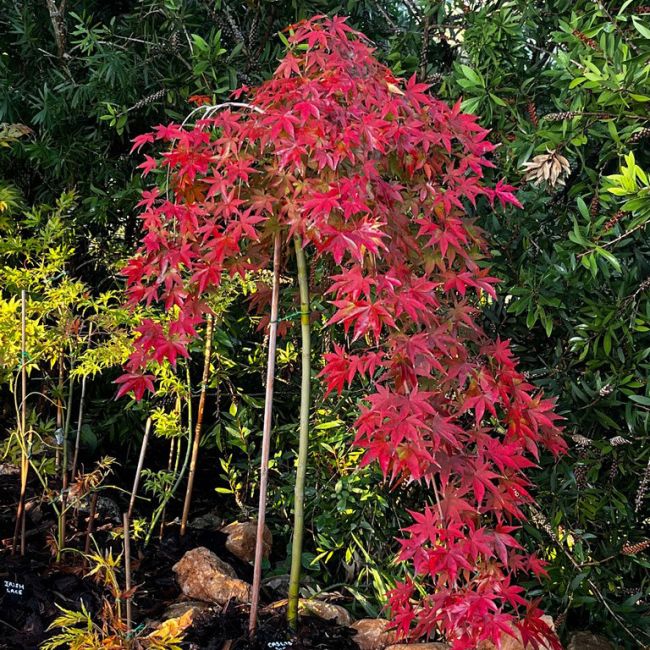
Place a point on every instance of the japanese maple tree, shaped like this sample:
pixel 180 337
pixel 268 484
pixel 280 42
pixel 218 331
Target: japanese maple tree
pixel 375 174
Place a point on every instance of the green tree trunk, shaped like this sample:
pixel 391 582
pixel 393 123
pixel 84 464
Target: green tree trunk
pixel 299 500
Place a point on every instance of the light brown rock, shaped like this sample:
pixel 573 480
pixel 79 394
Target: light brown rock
pixel 372 633
pixel 326 611
pixel 589 641
pixel 201 575
pixel 241 540
pixel 511 643
pixel 181 607
pixel 320 609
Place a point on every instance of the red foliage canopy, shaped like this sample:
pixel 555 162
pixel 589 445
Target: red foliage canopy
pixel 372 172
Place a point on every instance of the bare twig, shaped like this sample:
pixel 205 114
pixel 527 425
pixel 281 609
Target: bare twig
pixel 611 242
pixel 127 570
pixel 196 443
pixel 266 437
pixel 82 400
pixel 540 521
pixel 91 522
pixel 138 471
pixel 58 25
pixel 25 447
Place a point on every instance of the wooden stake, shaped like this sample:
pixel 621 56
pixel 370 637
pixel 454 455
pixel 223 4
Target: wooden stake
pixel 196 443
pixel 127 570
pixel 91 523
pixel 138 471
pixel 64 474
pixel 266 438
pixel 170 461
pixel 59 412
pixel 82 400
pixel 25 445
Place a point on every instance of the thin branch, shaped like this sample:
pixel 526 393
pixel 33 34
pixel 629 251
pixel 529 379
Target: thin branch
pixel 540 521
pixel 611 242
pixel 58 25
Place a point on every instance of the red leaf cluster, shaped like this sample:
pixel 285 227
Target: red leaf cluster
pixel 374 173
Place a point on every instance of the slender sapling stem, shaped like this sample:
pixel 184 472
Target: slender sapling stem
pixel 303 444
pixel 196 443
pixel 25 446
pixel 82 401
pixel 266 437
pixel 127 570
pixel 138 471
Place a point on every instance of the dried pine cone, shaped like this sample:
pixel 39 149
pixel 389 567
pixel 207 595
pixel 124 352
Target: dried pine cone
pixel 613 221
pixel 585 39
pixel 539 519
pixel 606 390
pixel 560 620
pixel 254 31
pixel 633 549
pixel 613 469
pixel 551 168
pixel 639 135
pixel 175 43
pixel 559 117
pixel 580 472
pixel 149 99
pixel 580 469
pixel 643 10
pixel 532 113
pixel 617 441
pixel 643 488
pixel 594 206
pixel 580 440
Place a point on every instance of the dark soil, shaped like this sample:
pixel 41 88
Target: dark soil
pixel 214 629
pixel 32 588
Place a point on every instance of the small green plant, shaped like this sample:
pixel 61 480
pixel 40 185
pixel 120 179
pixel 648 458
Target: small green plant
pixel 79 630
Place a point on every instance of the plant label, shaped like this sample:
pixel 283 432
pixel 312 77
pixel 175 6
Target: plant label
pixel 14 589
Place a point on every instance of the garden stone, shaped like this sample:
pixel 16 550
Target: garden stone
pixel 511 643
pixel 7 469
pixel 589 641
pixel 177 609
pixel 208 521
pixel 202 575
pixel 372 633
pixel 326 611
pixel 320 609
pixel 242 537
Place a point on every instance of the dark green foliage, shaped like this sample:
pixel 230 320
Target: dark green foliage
pixel 573 78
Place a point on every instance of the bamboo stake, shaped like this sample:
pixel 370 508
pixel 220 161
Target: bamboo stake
pixel 25 446
pixel 82 400
pixel 186 459
pixel 66 429
pixel 91 523
pixel 138 471
pixel 59 412
pixel 209 324
pixel 266 438
pixel 64 474
pixel 127 570
pixel 303 444
pixel 170 460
